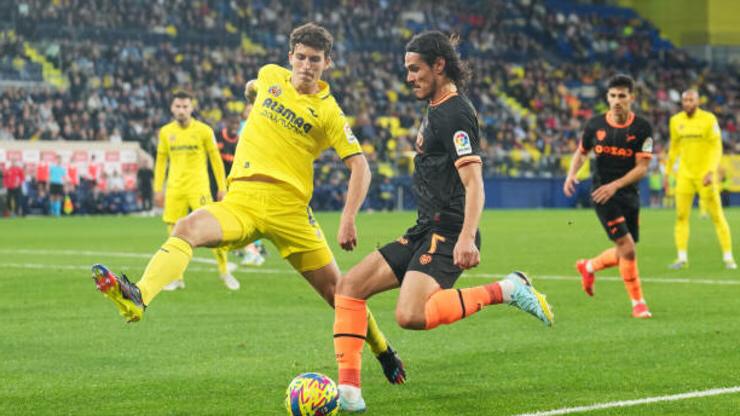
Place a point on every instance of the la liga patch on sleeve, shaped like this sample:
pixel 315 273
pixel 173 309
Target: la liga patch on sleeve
pixel 462 143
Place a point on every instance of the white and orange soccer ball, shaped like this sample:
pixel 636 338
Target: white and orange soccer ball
pixel 312 394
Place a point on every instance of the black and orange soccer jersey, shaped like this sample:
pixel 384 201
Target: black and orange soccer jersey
pixel 448 138
pixel 617 146
pixel 227 147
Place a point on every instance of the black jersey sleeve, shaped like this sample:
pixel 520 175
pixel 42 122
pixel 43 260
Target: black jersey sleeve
pixel 459 132
pixel 643 145
pixel 588 137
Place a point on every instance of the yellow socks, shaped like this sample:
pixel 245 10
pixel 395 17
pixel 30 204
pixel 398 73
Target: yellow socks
pixel 167 265
pixel 375 339
pixel 221 261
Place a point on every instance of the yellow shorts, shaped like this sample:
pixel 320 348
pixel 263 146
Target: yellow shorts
pixel 179 204
pixel 695 186
pixel 254 210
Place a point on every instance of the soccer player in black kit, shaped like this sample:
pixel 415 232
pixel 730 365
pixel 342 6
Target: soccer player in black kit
pixel 427 260
pixel 623 144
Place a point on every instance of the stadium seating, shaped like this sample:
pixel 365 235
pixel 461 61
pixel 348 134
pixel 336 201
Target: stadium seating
pixel 536 78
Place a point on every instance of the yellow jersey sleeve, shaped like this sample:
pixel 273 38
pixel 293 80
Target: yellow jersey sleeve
pixel 217 164
pixel 714 134
pixel 287 131
pixel 340 135
pixel 160 164
pixel 674 145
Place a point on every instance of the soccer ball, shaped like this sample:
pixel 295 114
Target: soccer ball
pixel 312 394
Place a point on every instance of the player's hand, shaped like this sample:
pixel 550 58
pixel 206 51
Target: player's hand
pixel 569 187
pixel 250 93
pixel 604 193
pixel 220 195
pixel 465 254
pixel 347 235
pixel 159 199
pixel 708 178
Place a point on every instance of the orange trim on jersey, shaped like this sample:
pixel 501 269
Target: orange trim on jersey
pixel 225 136
pixel 615 222
pixel 610 121
pixel 643 155
pixel 466 160
pixel 443 99
pixel 581 149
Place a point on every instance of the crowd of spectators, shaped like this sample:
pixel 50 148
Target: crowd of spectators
pixel 538 72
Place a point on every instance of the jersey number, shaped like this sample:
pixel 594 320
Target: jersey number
pixel 435 238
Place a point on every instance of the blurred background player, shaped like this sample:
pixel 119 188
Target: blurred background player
pixel 57 177
pixel 623 144
pixel 144 182
pixel 294 120
pixel 13 179
pixel 427 261
pixel 696 142
pixel 185 147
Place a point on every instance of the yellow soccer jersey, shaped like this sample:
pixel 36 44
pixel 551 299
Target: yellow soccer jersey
pixel 186 150
pixel 286 131
pixel 697 143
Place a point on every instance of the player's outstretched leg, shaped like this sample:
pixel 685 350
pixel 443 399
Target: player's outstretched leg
pixel 528 299
pixel 587 277
pixel 124 294
pixel 608 258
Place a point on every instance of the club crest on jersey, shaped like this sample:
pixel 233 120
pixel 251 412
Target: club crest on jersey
pixel 462 143
pixel 275 91
pixel 647 146
pixel 172 138
pixel 601 134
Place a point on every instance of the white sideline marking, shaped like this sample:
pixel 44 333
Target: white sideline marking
pixel 626 403
pixel 246 269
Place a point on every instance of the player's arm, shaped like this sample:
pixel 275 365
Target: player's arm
pixel 217 165
pixel 359 182
pixel 714 153
pixel 250 91
pixel 160 169
pixel 465 254
pixel 576 162
pixel 673 147
pixel 604 192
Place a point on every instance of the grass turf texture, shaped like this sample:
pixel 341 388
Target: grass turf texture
pixel 208 351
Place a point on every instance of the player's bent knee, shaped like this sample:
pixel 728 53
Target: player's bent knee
pixel 408 319
pixel 199 229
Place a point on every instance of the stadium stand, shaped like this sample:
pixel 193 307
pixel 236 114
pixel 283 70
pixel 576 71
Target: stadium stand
pixel 108 67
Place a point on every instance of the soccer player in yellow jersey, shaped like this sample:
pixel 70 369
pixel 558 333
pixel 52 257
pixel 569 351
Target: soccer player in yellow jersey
pixel 697 144
pixel 294 119
pixel 184 145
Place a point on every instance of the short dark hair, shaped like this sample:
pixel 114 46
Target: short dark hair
pixel 312 35
pixel 621 81
pixel 433 44
pixel 182 94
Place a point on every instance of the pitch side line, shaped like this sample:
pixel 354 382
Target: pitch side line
pixel 203 260
pixel 637 402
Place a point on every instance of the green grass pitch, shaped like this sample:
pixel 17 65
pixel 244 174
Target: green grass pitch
pixel 208 351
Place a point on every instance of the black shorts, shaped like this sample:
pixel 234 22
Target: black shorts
pixel 56 189
pixel 620 216
pixel 429 253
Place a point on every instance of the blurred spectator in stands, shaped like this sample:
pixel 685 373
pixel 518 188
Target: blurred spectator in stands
pixel 42 176
pixel 13 179
pixel 144 178
pixel 655 183
pixel 387 194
